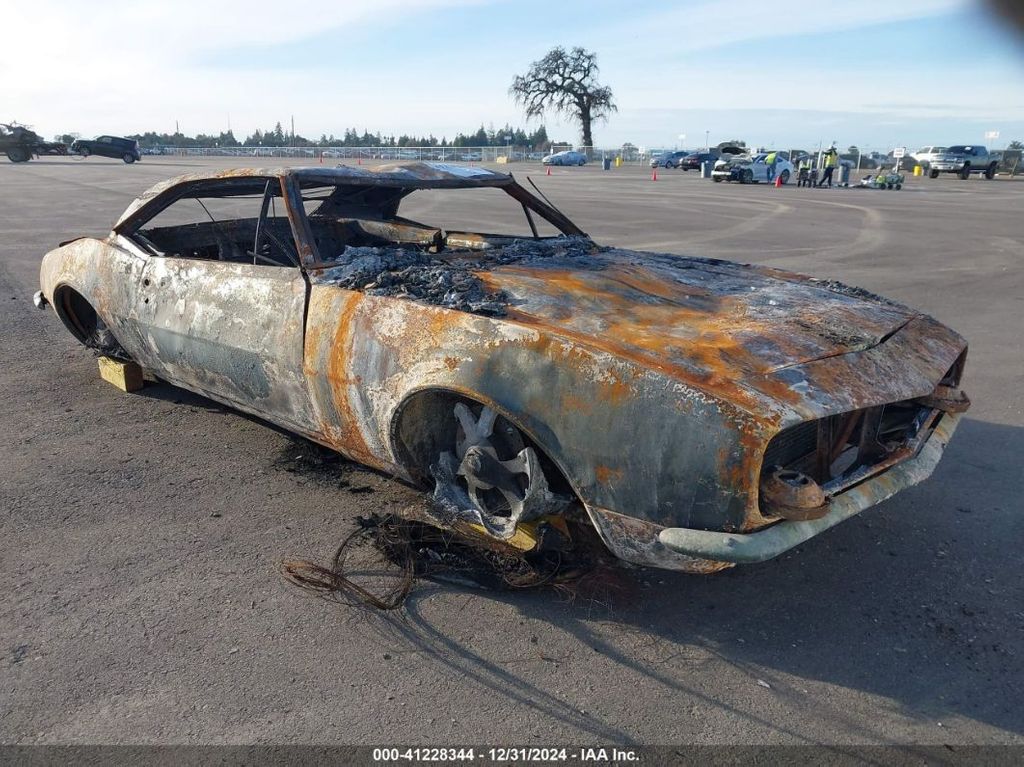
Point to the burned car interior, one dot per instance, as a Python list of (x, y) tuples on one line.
[(246, 220)]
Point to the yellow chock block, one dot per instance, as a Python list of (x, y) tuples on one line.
[(126, 376), (525, 537)]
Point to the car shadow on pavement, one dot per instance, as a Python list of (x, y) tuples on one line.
[(167, 392), (917, 602)]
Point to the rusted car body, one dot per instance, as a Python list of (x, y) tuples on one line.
[(702, 412)]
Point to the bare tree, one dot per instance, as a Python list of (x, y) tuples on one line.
[(565, 82)]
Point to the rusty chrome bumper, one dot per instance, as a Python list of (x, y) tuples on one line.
[(772, 541)]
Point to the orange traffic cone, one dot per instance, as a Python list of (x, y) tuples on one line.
[(654, 174), (359, 161), (778, 181), (549, 170)]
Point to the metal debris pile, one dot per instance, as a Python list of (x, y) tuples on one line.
[(447, 282), (379, 563)]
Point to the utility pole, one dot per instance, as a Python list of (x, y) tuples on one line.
[(293, 130)]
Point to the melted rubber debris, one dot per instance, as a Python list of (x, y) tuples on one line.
[(380, 561), (450, 280)]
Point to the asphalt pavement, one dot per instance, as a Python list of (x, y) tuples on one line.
[(140, 535)]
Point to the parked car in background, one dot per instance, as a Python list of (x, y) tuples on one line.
[(668, 160), (568, 157), (694, 160), (963, 160), (109, 146), (749, 169), (928, 154)]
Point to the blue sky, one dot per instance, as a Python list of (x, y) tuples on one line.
[(788, 72)]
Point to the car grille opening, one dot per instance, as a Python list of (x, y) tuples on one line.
[(842, 450)]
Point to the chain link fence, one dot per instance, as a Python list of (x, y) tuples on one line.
[(487, 154), (856, 158)]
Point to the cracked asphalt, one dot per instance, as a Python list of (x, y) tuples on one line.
[(140, 535)]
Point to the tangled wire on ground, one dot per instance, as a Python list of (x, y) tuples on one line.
[(379, 562)]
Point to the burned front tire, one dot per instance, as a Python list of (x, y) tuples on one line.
[(482, 468), (18, 154), (492, 477)]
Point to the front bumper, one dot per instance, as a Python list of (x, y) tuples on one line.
[(946, 166), (768, 543), (39, 299)]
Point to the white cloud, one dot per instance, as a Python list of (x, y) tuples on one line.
[(709, 25), (128, 66)]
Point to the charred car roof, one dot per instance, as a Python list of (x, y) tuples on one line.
[(400, 175)]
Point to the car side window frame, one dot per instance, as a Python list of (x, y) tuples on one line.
[(130, 229)]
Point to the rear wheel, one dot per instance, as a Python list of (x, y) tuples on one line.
[(990, 171), (128, 158), (88, 327), (785, 177)]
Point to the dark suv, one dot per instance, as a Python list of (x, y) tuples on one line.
[(964, 160), (694, 160), (108, 146)]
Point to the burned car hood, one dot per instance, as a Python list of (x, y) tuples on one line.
[(698, 311), (760, 338), (718, 324)]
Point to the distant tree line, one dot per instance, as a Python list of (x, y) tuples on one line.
[(279, 137)]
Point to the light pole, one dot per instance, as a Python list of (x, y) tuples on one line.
[(707, 140), (682, 138)]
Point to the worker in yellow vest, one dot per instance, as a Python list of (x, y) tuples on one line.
[(804, 175), (831, 161), (769, 161)]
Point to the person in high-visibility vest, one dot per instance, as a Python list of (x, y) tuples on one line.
[(831, 160), (769, 161), (804, 176)]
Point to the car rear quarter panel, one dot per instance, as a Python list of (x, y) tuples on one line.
[(105, 275)]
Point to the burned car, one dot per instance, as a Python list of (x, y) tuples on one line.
[(699, 412)]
